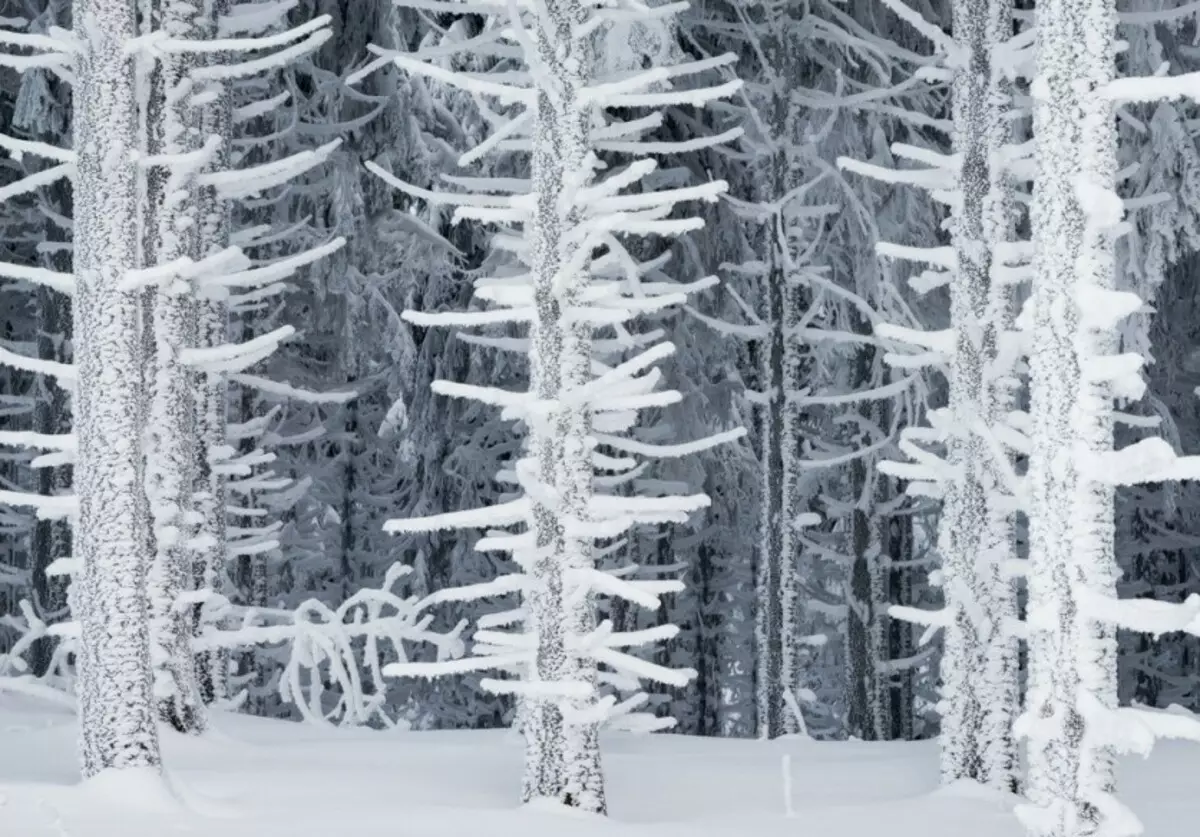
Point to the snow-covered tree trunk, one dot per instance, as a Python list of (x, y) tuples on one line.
[(51, 539), (115, 699), (171, 433), (776, 582), (979, 664), (211, 545), (563, 759), (568, 226), (1072, 655)]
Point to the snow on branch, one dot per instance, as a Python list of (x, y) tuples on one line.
[(1154, 88), (286, 390), (18, 148), (65, 373), (55, 61), (61, 282), (186, 269), (252, 18), (666, 147), (940, 257), (504, 514), (505, 93), (235, 357), (56, 507), (669, 451), (219, 45), (36, 181), (931, 31), (277, 270), (1147, 461), (242, 183), (1157, 16), (38, 441), (936, 180), (941, 342), (344, 647), (274, 61)]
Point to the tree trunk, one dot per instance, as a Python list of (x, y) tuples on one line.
[(116, 710), (563, 758), (172, 440), (776, 631), (979, 666), (216, 119), (51, 539), (1072, 656)]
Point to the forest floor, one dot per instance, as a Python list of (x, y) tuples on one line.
[(256, 778)]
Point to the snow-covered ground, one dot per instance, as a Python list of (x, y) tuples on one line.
[(254, 778)]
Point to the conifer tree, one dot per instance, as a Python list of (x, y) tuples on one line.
[(566, 227)]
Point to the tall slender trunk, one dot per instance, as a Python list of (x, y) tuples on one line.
[(216, 119), (778, 611), (867, 698), (115, 703), (979, 668), (901, 680), (171, 457), (51, 539), (1072, 656), (563, 757), (776, 582)]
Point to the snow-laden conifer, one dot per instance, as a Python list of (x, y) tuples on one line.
[(193, 266), (116, 713), (171, 456), (591, 187), (1075, 375), (977, 479), (1073, 725)]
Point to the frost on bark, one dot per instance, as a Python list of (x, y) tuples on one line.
[(581, 291), (976, 539), (977, 478), (777, 583), (51, 539), (866, 607), (563, 759), (172, 431), (111, 539), (1073, 379), (210, 498)]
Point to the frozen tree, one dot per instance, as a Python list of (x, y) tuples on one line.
[(194, 267), (1159, 178), (1073, 725), (804, 228), (346, 647), (40, 112), (209, 498), (976, 535), (115, 704), (1074, 377), (171, 456), (977, 479), (566, 227)]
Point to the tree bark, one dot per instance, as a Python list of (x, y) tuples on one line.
[(216, 119), (172, 433), (1072, 656), (563, 758), (115, 701), (979, 666)]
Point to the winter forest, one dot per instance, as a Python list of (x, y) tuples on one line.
[(407, 406)]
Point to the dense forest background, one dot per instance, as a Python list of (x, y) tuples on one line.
[(784, 346)]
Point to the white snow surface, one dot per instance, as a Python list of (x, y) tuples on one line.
[(257, 778)]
